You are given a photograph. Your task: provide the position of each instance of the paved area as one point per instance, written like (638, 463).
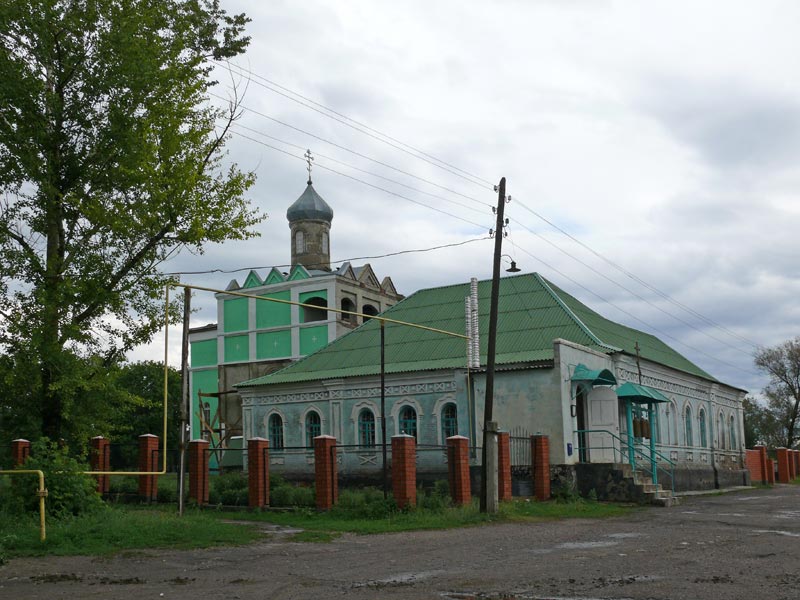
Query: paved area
(741, 545)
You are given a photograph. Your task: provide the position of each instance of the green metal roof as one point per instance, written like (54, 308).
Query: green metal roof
(531, 313)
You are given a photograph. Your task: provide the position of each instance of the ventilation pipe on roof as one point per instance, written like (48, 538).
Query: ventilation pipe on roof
(468, 328)
(474, 335)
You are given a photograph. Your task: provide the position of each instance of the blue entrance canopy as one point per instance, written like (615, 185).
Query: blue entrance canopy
(595, 377)
(641, 394)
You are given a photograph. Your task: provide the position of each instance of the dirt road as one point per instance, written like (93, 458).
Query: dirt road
(742, 545)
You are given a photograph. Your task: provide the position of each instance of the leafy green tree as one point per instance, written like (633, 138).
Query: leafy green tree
(140, 408)
(110, 164)
(782, 409)
(761, 425)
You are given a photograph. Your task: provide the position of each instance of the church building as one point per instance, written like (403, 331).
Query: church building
(252, 338)
(605, 394)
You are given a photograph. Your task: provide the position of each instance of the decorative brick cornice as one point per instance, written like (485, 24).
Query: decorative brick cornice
(408, 389)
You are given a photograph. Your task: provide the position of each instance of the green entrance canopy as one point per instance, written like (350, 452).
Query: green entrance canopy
(597, 377)
(641, 394)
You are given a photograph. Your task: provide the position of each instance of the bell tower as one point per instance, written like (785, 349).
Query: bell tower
(310, 223)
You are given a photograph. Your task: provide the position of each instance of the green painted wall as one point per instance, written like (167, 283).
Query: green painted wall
(235, 314)
(204, 353)
(237, 348)
(205, 381)
(273, 314)
(317, 294)
(274, 344)
(313, 338)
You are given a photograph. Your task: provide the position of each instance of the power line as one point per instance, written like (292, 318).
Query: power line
(632, 316)
(372, 185)
(360, 170)
(360, 127)
(639, 280)
(351, 151)
(344, 260)
(642, 298)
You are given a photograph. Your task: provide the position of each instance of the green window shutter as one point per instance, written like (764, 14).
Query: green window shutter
(204, 353)
(274, 344)
(237, 348)
(273, 314)
(235, 313)
(313, 338)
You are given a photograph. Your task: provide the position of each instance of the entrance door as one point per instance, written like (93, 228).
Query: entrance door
(580, 415)
(602, 403)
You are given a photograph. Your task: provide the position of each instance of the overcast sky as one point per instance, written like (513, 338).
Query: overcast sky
(662, 135)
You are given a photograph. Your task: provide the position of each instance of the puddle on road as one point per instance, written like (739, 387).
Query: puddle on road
(511, 596)
(788, 514)
(585, 545)
(624, 536)
(401, 579)
(778, 532)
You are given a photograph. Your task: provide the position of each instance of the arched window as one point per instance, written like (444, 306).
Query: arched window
(721, 428)
(670, 423)
(348, 304)
(703, 437)
(370, 310)
(687, 419)
(275, 431)
(732, 434)
(313, 427)
(449, 421)
(206, 425)
(408, 421)
(317, 312)
(325, 242)
(366, 428)
(299, 242)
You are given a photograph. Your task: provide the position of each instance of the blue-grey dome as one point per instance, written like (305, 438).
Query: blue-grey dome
(310, 205)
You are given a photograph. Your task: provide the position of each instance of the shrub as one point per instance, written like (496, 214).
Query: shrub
(228, 489)
(435, 499)
(70, 492)
(286, 494)
(364, 503)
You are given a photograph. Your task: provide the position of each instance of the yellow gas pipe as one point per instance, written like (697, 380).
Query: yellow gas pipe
(42, 493)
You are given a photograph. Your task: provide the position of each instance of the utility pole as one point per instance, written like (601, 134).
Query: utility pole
(187, 309)
(489, 488)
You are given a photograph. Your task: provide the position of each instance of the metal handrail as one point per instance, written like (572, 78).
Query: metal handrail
(633, 447)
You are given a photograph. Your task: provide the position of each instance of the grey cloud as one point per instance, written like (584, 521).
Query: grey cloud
(730, 124)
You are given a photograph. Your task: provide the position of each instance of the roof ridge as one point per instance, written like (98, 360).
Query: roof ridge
(572, 315)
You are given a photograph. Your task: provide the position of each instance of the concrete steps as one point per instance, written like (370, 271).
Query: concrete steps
(653, 492)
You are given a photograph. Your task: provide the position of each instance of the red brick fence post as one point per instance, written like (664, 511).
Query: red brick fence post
(198, 471)
(457, 469)
(20, 451)
(327, 484)
(764, 466)
(258, 472)
(540, 456)
(770, 471)
(100, 460)
(783, 465)
(148, 463)
(404, 470)
(503, 466)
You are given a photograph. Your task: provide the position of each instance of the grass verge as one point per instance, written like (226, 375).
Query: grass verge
(343, 520)
(132, 527)
(118, 528)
